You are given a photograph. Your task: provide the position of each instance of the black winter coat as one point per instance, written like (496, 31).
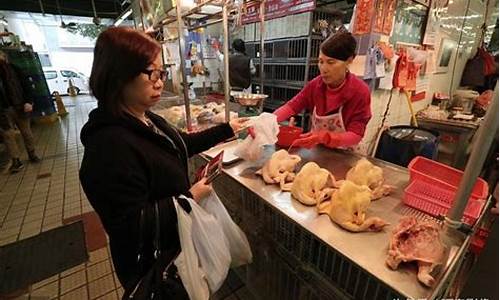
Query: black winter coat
(125, 167)
(13, 88)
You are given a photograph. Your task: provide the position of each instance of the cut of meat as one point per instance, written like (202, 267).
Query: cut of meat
(348, 206)
(366, 173)
(417, 241)
(280, 169)
(312, 184)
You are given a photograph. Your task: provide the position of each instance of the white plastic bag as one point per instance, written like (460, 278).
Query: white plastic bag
(205, 254)
(192, 276)
(266, 130)
(239, 247)
(248, 149)
(211, 246)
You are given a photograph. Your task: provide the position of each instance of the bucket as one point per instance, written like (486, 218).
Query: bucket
(287, 135)
(400, 144)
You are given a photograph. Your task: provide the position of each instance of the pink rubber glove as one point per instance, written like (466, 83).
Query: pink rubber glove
(311, 139)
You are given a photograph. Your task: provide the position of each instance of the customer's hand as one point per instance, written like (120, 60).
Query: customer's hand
(200, 190)
(28, 107)
(239, 124)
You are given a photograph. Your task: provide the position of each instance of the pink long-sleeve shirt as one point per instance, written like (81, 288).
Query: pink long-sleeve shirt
(353, 96)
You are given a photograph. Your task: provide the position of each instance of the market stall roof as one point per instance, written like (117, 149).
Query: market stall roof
(104, 8)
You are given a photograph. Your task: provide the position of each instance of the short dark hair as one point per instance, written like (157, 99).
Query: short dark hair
(341, 45)
(239, 45)
(120, 55)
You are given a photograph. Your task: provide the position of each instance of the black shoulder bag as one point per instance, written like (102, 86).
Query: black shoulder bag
(161, 281)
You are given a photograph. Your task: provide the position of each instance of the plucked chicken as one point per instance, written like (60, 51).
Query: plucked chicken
(366, 173)
(347, 207)
(417, 241)
(312, 184)
(280, 169)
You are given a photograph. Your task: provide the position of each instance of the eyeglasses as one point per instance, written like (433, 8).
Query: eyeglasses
(156, 74)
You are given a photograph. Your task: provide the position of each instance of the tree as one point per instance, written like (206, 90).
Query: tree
(87, 30)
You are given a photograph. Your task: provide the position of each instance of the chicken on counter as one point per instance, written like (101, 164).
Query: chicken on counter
(347, 207)
(417, 241)
(280, 169)
(312, 184)
(366, 173)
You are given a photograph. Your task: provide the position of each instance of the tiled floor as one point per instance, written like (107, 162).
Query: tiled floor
(40, 196)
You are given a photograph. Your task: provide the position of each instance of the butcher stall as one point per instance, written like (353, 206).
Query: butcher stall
(299, 254)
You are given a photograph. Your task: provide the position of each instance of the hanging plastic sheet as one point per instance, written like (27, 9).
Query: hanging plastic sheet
(363, 18)
(384, 17)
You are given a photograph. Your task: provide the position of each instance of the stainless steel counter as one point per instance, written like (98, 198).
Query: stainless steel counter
(368, 250)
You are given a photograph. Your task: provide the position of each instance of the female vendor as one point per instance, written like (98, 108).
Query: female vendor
(338, 100)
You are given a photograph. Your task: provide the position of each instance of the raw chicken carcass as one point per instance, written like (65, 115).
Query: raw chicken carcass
(312, 184)
(366, 173)
(417, 241)
(280, 169)
(348, 206)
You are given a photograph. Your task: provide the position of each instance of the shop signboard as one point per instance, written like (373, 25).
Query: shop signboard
(276, 9)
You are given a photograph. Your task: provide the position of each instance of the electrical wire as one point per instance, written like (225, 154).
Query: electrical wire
(382, 125)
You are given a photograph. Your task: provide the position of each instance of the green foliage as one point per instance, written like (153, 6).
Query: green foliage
(87, 30)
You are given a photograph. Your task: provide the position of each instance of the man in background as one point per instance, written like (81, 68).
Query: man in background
(15, 108)
(241, 67)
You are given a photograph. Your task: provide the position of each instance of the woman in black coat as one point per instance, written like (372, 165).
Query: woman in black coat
(132, 157)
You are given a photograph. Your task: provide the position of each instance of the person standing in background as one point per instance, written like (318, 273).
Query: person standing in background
(15, 108)
(241, 67)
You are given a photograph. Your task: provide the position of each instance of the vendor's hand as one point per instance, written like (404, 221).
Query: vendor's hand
(200, 190)
(306, 140)
(28, 107)
(238, 124)
(311, 139)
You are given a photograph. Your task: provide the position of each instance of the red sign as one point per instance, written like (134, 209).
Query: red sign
(276, 9)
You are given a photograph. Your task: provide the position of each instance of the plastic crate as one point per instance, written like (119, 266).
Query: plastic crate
(435, 173)
(436, 201)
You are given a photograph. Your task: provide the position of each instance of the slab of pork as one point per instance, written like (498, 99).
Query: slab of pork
(417, 241)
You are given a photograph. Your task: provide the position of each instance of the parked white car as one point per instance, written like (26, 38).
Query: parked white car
(58, 80)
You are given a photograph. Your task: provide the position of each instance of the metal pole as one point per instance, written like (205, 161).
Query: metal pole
(309, 50)
(41, 7)
(225, 26)
(196, 8)
(262, 19)
(261, 67)
(309, 55)
(205, 25)
(480, 149)
(182, 50)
